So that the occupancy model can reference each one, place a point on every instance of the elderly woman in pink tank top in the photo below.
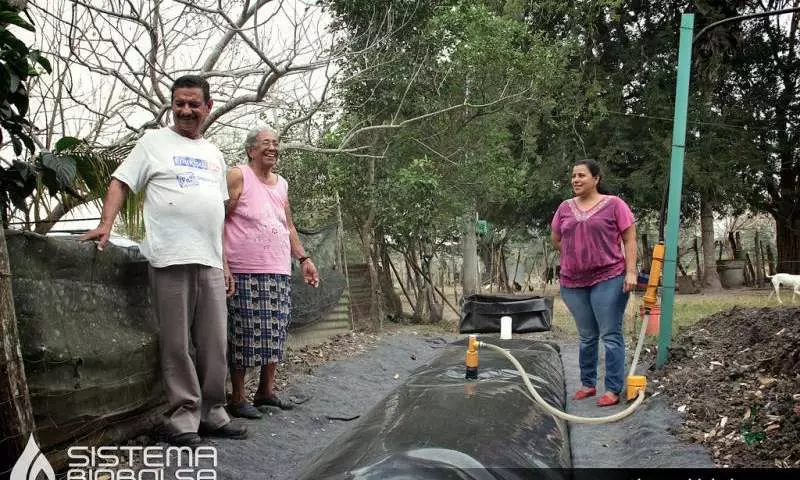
(596, 236)
(260, 241)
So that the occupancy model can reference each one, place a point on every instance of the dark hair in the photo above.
(193, 81)
(594, 169)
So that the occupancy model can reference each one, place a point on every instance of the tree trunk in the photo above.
(770, 260)
(739, 253)
(492, 254)
(367, 234)
(469, 275)
(393, 303)
(749, 270)
(411, 275)
(421, 287)
(788, 243)
(734, 246)
(16, 416)
(504, 269)
(646, 251)
(680, 265)
(759, 266)
(42, 228)
(710, 276)
(697, 260)
(376, 309)
(403, 288)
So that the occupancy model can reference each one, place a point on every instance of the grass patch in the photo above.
(687, 311)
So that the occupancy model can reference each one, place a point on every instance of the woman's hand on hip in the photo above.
(630, 282)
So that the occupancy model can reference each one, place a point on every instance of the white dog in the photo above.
(786, 279)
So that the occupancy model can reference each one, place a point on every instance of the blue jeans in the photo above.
(598, 312)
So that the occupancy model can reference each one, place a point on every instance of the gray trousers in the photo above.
(189, 303)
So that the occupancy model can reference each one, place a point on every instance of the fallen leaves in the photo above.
(767, 382)
(302, 361)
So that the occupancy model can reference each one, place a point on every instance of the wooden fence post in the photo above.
(16, 415)
(759, 266)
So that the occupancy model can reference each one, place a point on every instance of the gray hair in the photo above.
(250, 139)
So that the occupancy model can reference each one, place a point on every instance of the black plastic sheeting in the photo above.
(482, 313)
(438, 425)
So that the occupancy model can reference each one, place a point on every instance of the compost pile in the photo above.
(735, 376)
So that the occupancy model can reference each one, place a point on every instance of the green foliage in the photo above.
(53, 171)
(19, 179)
(474, 80)
(310, 195)
(596, 79)
(72, 171)
(17, 64)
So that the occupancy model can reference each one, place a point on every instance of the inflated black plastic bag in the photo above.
(438, 425)
(482, 313)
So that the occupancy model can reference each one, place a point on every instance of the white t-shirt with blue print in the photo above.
(184, 185)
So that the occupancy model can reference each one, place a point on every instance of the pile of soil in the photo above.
(735, 375)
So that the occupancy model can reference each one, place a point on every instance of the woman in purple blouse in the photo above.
(596, 236)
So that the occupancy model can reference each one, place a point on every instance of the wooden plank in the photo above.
(16, 415)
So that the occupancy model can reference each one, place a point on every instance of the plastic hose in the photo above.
(639, 343)
(556, 412)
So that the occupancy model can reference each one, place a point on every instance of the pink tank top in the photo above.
(256, 233)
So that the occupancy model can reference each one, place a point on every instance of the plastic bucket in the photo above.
(653, 320)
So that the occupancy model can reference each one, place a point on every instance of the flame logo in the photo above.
(32, 463)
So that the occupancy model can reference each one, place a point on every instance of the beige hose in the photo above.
(556, 412)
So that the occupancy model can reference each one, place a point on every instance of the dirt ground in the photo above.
(735, 376)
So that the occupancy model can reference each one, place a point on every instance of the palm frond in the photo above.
(95, 165)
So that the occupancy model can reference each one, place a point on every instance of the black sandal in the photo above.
(244, 410)
(272, 402)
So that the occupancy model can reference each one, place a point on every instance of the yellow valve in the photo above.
(656, 267)
(472, 357)
(635, 383)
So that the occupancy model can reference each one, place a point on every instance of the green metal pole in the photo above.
(675, 185)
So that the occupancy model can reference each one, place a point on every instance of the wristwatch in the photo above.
(303, 259)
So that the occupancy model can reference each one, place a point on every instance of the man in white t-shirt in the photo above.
(183, 179)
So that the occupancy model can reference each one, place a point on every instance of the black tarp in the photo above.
(438, 425)
(481, 313)
(89, 338)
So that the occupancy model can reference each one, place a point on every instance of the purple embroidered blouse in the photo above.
(591, 240)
